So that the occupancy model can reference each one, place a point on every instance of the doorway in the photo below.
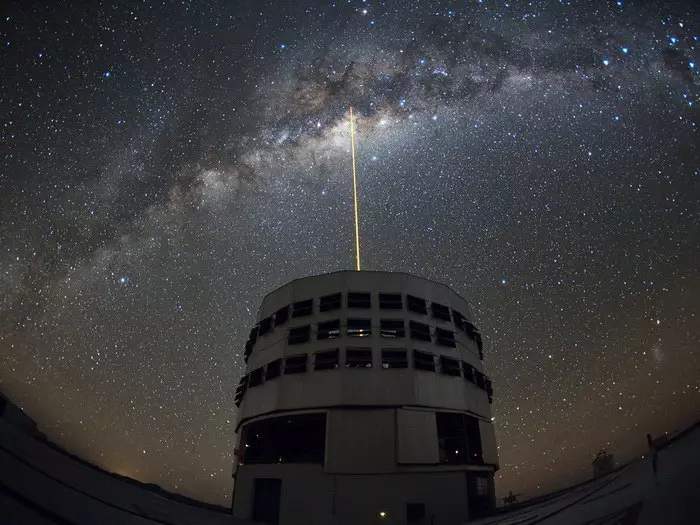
(267, 493)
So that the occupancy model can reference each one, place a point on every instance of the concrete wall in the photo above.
(371, 386)
(309, 496)
(374, 386)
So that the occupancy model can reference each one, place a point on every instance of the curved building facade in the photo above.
(364, 401)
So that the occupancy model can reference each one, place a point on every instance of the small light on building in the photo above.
(382, 515)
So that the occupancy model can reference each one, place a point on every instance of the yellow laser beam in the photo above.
(354, 190)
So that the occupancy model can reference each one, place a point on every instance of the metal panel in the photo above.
(417, 437)
(488, 443)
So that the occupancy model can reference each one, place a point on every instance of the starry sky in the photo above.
(166, 164)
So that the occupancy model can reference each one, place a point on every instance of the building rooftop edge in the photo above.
(364, 271)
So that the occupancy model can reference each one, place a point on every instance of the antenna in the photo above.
(354, 190)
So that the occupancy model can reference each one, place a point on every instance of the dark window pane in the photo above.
(416, 304)
(282, 315)
(440, 311)
(415, 512)
(459, 319)
(328, 329)
(449, 366)
(419, 331)
(452, 438)
(480, 379)
(248, 350)
(359, 327)
(468, 372)
(392, 328)
(264, 326)
(358, 358)
(302, 308)
(326, 359)
(390, 301)
(469, 329)
(474, 451)
(273, 369)
(489, 388)
(256, 377)
(253, 336)
(330, 302)
(359, 300)
(445, 337)
(423, 361)
(241, 390)
(394, 358)
(295, 364)
(479, 345)
(299, 335)
(286, 439)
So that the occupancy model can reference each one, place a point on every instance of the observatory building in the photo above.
(364, 401)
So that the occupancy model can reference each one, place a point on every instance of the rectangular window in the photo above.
(440, 311)
(482, 486)
(394, 358)
(358, 358)
(295, 364)
(326, 359)
(241, 390)
(419, 331)
(390, 301)
(458, 319)
(459, 440)
(302, 308)
(359, 327)
(475, 453)
(479, 345)
(264, 326)
(248, 350)
(253, 336)
(468, 372)
(299, 335)
(328, 330)
(449, 366)
(297, 438)
(256, 377)
(273, 369)
(359, 300)
(469, 329)
(416, 304)
(452, 438)
(423, 361)
(392, 328)
(330, 302)
(445, 337)
(489, 388)
(480, 379)
(282, 315)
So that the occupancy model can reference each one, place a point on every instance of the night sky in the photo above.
(164, 165)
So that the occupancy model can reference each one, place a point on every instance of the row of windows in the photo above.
(388, 328)
(301, 439)
(362, 300)
(361, 357)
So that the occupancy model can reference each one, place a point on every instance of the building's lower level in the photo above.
(365, 465)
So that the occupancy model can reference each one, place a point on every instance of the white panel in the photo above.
(417, 437)
(488, 442)
(360, 441)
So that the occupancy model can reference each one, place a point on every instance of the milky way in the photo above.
(165, 166)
